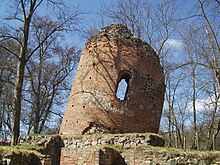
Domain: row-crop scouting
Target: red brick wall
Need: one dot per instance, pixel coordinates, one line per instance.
(93, 96)
(74, 156)
(91, 156)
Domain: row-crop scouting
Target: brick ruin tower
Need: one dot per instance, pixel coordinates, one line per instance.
(109, 58)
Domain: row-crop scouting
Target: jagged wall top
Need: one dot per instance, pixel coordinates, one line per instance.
(114, 31)
(123, 34)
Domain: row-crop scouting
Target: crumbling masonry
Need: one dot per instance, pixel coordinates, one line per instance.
(112, 56)
(94, 106)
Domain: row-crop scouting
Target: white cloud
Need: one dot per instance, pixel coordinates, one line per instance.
(203, 104)
(174, 43)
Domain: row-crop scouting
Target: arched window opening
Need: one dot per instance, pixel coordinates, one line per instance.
(123, 85)
(122, 89)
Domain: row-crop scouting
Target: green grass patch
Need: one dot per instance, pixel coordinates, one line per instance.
(24, 149)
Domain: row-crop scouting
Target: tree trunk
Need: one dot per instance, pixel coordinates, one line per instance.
(38, 95)
(1, 107)
(17, 98)
(19, 82)
(195, 143)
(20, 72)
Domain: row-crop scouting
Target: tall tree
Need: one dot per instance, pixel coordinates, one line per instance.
(47, 70)
(7, 79)
(23, 15)
(201, 40)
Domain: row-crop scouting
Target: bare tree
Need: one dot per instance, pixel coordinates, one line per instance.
(23, 15)
(7, 79)
(200, 38)
(47, 70)
(153, 23)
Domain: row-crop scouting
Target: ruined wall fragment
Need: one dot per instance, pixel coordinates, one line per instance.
(107, 58)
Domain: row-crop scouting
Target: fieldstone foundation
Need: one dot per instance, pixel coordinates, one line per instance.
(107, 149)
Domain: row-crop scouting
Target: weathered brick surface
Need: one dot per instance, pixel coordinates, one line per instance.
(86, 156)
(108, 57)
(91, 156)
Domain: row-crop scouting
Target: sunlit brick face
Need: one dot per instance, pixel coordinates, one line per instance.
(109, 59)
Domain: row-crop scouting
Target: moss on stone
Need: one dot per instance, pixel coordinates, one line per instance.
(19, 150)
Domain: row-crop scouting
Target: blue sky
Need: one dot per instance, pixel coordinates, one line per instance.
(85, 5)
(91, 7)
